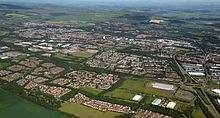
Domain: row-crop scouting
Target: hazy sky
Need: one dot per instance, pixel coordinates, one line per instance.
(124, 2)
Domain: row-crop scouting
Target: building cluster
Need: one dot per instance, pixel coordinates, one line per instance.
(133, 64)
(214, 70)
(149, 114)
(194, 69)
(31, 73)
(89, 79)
(100, 105)
(57, 92)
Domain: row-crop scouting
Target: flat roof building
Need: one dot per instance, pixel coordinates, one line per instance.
(156, 101)
(171, 105)
(163, 86)
(137, 98)
(217, 91)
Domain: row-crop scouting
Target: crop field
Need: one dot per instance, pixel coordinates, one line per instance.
(132, 86)
(15, 107)
(86, 112)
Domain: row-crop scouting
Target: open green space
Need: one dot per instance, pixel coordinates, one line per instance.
(12, 106)
(184, 107)
(198, 113)
(137, 86)
(69, 59)
(91, 90)
(184, 95)
(121, 94)
(82, 54)
(3, 64)
(181, 49)
(86, 112)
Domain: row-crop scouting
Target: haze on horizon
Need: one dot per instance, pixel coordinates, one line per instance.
(121, 2)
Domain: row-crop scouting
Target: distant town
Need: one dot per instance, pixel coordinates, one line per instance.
(148, 68)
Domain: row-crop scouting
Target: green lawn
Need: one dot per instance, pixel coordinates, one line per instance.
(91, 90)
(181, 49)
(86, 112)
(121, 94)
(82, 54)
(70, 59)
(184, 95)
(3, 64)
(198, 113)
(184, 107)
(143, 86)
(12, 106)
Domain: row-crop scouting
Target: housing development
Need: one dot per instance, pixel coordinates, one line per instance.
(92, 63)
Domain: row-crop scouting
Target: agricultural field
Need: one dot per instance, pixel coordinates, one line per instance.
(86, 112)
(12, 106)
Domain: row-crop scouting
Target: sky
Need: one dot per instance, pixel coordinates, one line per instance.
(123, 2)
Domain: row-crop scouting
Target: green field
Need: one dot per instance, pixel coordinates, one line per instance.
(82, 54)
(184, 95)
(184, 107)
(121, 94)
(91, 90)
(131, 86)
(3, 64)
(198, 113)
(86, 112)
(69, 59)
(15, 107)
(181, 49)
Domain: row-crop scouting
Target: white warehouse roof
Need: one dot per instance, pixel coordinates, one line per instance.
(156, 101)
(197, 73)
(216, 91)
(163, 86)
(137, 98)
(171, 105)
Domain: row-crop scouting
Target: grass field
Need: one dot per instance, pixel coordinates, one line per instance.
(69, 59)
(121, 94)
(82, 54)
(183, 107)
(181, 49)
(198, 113)
(3, 64)
(15, 107)
(184, 95)
(86, 112)
(91, 90)
(131, 87)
